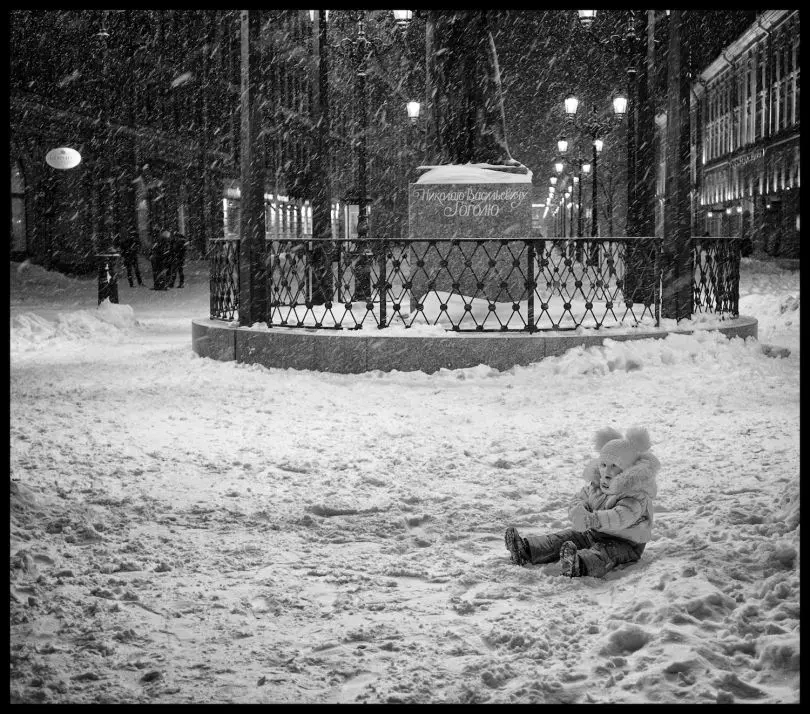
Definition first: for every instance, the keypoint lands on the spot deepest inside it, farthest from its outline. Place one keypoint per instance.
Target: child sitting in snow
(612, 516)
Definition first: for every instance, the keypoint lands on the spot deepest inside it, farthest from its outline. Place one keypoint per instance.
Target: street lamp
(562, 145)
(558, 166)
(594, 125)
(362, 49)
(402, 17)
(413, 109)
(620, 106)
(633, 44)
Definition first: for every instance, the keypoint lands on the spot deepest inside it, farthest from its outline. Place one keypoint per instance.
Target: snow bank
(186, 530)
(29, 331)
(472, 173)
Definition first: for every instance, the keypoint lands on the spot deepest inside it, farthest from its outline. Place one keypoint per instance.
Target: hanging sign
(63, 158)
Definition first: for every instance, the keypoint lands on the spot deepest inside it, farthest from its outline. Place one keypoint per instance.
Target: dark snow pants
(131, 263)
(598, 552)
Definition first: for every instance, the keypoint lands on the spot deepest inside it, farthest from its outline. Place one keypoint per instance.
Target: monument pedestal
(471, 222)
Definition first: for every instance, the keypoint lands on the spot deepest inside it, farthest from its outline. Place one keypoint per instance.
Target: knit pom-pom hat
(622, 451)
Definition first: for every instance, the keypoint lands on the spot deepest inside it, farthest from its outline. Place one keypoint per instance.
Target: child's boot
(569, 560)
(517, 547)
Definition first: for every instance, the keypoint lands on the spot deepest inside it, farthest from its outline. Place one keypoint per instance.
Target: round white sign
(63, 158)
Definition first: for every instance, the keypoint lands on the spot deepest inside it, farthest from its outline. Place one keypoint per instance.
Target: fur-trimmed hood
(638, 478)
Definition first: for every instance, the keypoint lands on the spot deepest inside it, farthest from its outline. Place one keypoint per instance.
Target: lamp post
(105, 180)
(593, 126)
(570, 198)
(636, 43)
(322, 253)
(584, 169)
(581, 167)
(362, 50)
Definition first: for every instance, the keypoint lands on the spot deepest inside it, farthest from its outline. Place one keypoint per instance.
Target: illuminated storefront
(745, 111)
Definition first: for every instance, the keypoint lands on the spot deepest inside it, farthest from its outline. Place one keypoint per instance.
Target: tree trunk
(252, 277)
(677, 265)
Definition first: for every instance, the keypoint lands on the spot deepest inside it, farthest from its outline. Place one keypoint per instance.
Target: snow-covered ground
(184, 530)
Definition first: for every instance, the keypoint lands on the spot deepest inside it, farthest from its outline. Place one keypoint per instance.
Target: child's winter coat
(627, 511)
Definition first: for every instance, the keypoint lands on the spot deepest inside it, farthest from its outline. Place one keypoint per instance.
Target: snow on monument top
(475, 173)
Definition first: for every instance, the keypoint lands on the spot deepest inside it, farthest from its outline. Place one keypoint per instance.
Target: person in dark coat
(177, 260)
(128, 246)
(160, 257)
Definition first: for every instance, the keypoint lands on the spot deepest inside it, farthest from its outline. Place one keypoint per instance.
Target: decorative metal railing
(224, 278)
(716, 281)
(517, 284)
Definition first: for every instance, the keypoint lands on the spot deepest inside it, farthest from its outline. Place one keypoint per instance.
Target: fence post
(212, 257)
(530, 283)
(383, 291)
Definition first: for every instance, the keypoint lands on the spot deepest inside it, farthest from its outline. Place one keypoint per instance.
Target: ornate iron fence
(224, 278)
(522, 284)
(716, 277)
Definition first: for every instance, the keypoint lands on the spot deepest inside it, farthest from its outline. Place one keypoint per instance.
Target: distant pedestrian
(612, 516)
(177, 260)
(160, 256)
(129, 245)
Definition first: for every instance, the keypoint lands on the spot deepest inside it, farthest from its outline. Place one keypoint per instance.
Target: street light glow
(403, 17)
(558, 166)
(562, 145)
(620, 106)
(598, 145)
(586, 168)
(413, 109)
(571, 105)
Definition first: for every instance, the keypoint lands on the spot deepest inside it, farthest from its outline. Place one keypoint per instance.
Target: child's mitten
(582, 518)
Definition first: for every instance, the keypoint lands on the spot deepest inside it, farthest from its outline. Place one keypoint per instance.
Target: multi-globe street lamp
(632, 42)
(361, 50)
(636, 43)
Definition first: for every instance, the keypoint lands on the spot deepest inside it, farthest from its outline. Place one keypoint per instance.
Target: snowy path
(184, 530)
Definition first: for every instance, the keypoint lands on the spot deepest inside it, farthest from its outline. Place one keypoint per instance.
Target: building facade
(746, 138)
(144, 97)
(151, 100)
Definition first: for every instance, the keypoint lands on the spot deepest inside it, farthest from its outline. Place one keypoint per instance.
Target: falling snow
(186, 530)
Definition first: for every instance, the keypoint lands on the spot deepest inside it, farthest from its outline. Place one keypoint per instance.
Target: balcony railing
(518, 284)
